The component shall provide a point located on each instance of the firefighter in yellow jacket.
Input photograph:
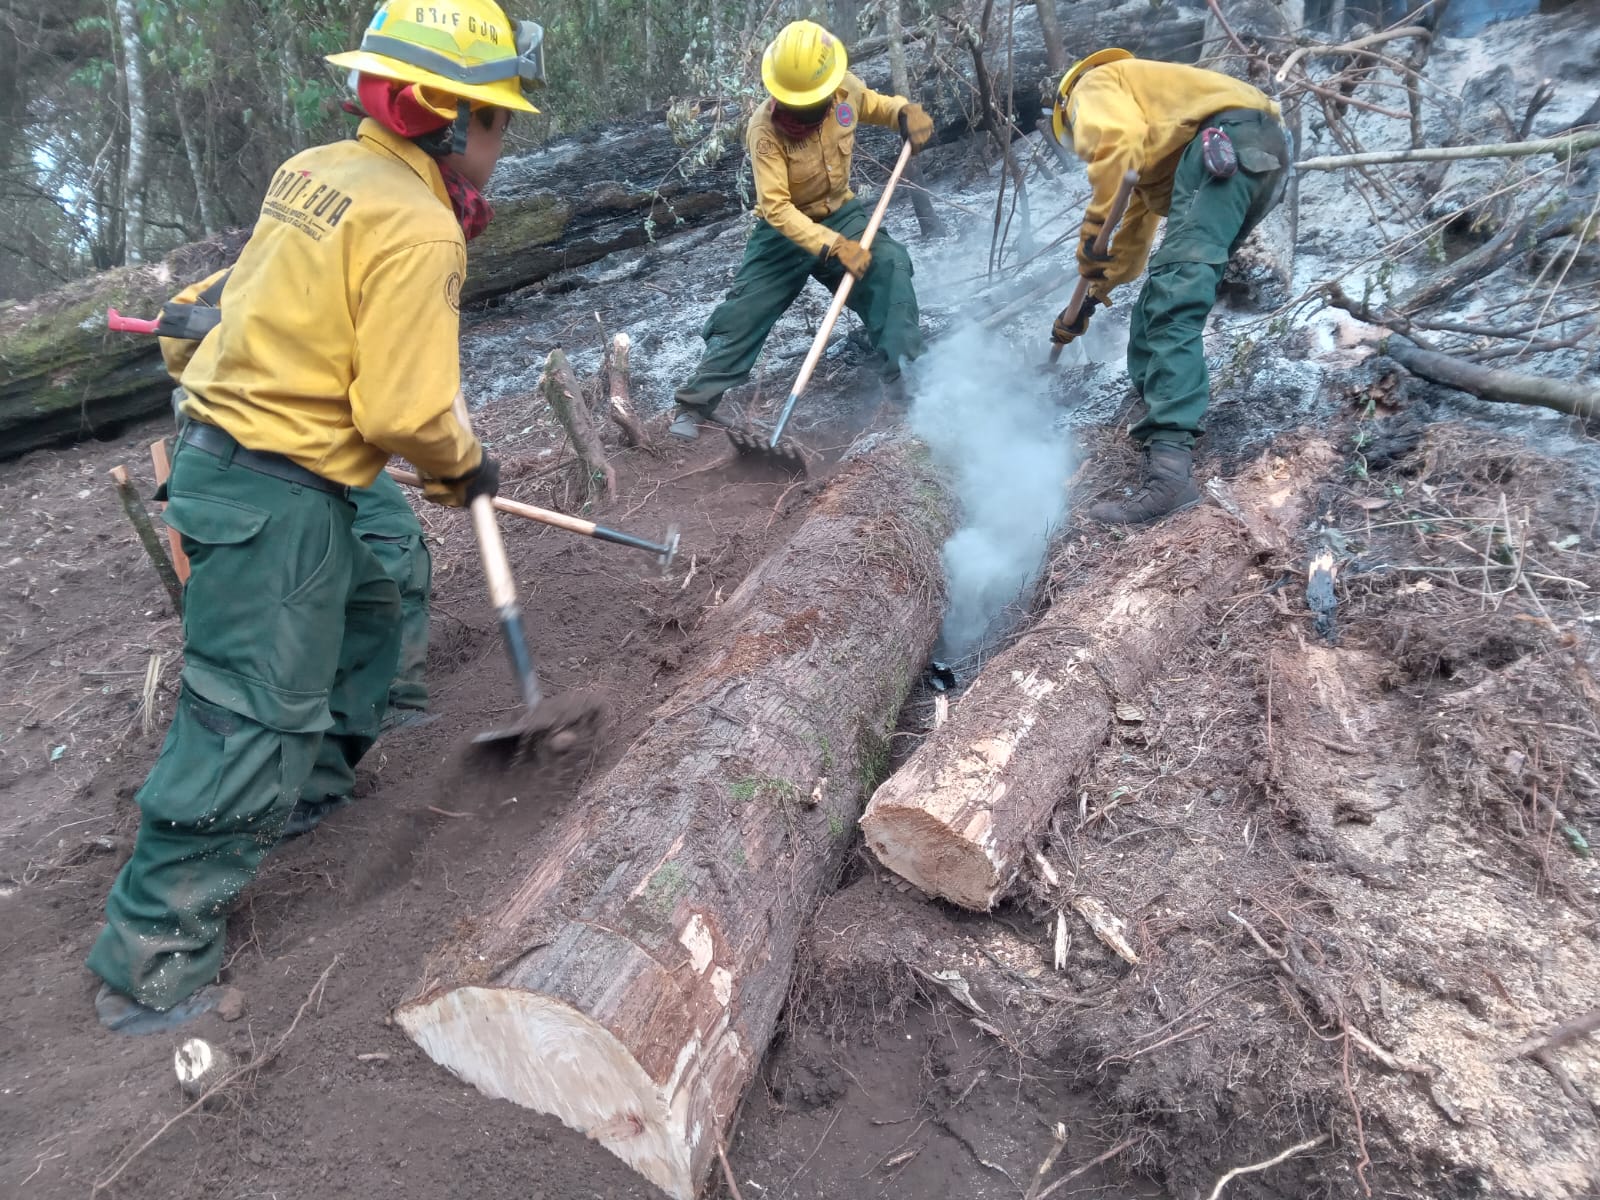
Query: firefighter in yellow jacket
(1212, 158)
(337, 348)
(808, 220)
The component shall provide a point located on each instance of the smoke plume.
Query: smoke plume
(981, 406)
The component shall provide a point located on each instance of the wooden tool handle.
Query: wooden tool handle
(516, 508)
(843, 293)
(502, 588)
(1101, 243)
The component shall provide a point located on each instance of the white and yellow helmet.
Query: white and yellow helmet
(1058, 114)
(804, 65)
(466, 48)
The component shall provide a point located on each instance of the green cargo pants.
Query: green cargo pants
(291, 633)
(388, 524)
(770, 277)
(1209, 219)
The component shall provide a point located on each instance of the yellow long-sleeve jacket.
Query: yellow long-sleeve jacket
(338, 345)
(799, 183)
(1141, 115)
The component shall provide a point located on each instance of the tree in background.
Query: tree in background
(128, 127)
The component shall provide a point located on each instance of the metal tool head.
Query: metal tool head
(670, 547)
(564, 726)
(786, 455)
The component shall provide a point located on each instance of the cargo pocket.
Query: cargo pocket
(210, 521)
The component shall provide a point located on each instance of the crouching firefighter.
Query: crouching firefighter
(808, 220)
(1212, 157)
(337, 348)
(385, 521)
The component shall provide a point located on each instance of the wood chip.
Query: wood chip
(375, 1056)
(1130, 714)
(1061, 941)
(1108, 927)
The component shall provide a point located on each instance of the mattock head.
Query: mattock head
(671, 542)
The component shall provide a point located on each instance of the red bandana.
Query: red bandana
(472, 210)
(395, 106)
(786, 123)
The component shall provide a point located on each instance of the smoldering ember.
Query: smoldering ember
(1041, 733)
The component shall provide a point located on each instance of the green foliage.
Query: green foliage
(763, 787)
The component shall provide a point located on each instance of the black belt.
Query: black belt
(1240, 116)
(221, 443)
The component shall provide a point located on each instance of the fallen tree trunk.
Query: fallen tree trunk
(609, 189)
(630, 978)
(1261, 273)
(1493, 383)
(956, 819)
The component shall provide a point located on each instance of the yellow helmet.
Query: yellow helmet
(804, 64)
(1058, 115)
(466, 48)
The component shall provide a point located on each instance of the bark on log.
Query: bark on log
(956, 819)
(1261, 273)
(611, 188)
(630, 978)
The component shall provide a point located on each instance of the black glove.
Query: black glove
(1091, 263)
(485, 481)
(1063, 332)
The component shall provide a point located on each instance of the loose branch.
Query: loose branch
(1387, 35)
(1493, 383)
(140, 520)
(1568, 1031)
(1301, 1148)
(1573, 143)
(1094, 1162)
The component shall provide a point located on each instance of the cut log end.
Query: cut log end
(545, 1055)
(919, 846)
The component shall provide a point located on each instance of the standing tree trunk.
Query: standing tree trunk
(1055, 50)
(900, 79)
(138, 133)
(632, 973)
(1261, 274)
(197, 172)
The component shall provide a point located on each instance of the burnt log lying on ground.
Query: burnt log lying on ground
(630, 976)
(609, 189)
(957, 818)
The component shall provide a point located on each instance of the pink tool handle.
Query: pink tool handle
(118, 323)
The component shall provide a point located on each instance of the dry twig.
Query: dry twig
(1301, 1148)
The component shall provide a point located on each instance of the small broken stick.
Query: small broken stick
(1107, 926)
(133, 506)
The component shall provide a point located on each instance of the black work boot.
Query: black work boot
(1167, 488)
(686, 423)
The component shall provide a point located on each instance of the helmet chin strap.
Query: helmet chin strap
(452, 139)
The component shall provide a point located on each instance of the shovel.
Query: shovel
(558, 726)
(783, 453)
(1101, 244)
(665, 550)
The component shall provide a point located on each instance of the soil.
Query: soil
(349, 1107)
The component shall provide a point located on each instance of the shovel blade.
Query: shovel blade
(564, 726)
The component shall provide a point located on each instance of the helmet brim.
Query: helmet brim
(807, 98)
(503, 93)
